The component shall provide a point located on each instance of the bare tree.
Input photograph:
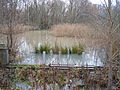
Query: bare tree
(11, 24)
(46, 13)
(109, 29)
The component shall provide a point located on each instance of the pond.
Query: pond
(90, 57)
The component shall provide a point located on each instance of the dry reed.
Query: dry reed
(71, 30)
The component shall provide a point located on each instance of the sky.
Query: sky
(101, 1)
(97, 1)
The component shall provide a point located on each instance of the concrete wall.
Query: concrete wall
(4, 59)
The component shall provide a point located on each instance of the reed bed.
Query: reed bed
(77, 49)
(72, 30)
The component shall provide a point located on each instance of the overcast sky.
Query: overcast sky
(101, 1)
(96, 1)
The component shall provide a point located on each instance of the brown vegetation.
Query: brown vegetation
(36, 76)
(16, 30)
(71, 30)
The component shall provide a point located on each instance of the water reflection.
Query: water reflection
(72, 59)
(91, 57)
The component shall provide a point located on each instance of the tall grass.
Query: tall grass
(71, 30)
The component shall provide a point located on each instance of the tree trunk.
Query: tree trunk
(109, 86)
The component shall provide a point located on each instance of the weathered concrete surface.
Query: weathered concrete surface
(4, 57)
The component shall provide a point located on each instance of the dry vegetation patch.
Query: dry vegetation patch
(72, 30)
(17, 29)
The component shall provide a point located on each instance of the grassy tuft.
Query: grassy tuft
(64, 50)
(77, 49)
(45, 48)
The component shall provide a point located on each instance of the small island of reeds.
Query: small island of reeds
(76, 49)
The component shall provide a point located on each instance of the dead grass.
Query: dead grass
(17, 29)
(72, 30)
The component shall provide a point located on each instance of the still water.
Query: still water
(73, 59)
(91, 57)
